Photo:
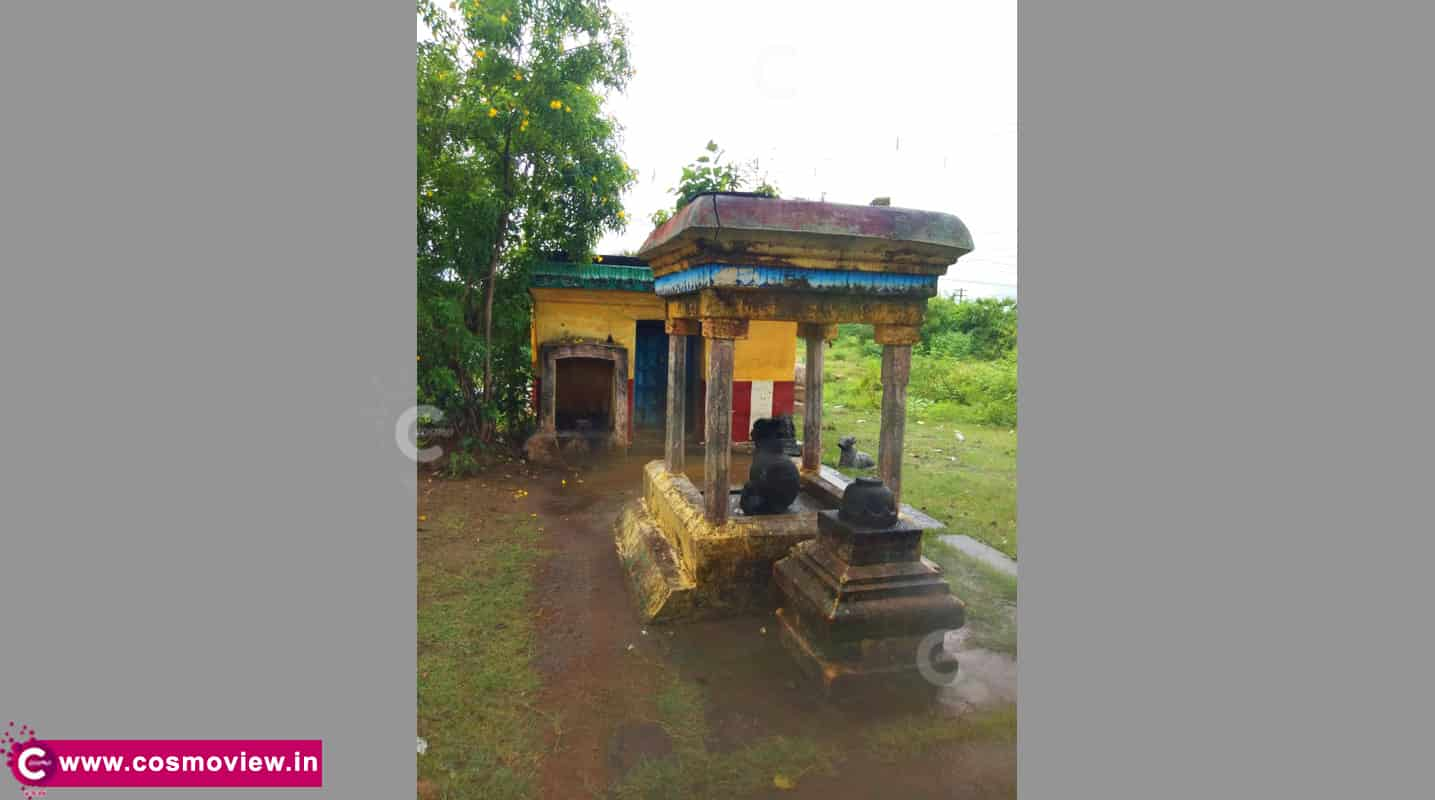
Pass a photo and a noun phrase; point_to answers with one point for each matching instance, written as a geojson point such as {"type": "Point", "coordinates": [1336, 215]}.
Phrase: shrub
{"type": "Point", "coordinates": [985, 390]}
{"type": "Point", "coordinates": [461, 464]}
{"type": "Point", "coordinates": [987, 326]}
{"type": "Point", "coordinates": [963, 370]}
{"type": "Point", "coordinates": [950, 344]}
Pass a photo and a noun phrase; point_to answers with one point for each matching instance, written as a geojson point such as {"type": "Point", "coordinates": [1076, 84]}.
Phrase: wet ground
{"type": "Point", "coordinates": [605, 676]}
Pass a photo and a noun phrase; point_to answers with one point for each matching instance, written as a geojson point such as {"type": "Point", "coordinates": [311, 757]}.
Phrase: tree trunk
{"type": "Point", "coordinates": [486, 429]}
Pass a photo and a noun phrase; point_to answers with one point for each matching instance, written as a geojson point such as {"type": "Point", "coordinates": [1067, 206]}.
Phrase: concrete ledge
{"type": "Point", "coordinates": [829, 484]}
{"type": "Point", "coordinates": [981, 551]}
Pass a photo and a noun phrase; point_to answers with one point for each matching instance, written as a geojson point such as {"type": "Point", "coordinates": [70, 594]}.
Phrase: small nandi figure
{"type": "Point", "coordinates": [772, 481]}
{"type": "Point", "coordinates": [851, 456]}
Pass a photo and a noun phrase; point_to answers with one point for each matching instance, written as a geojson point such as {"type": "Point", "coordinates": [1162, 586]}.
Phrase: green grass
{"type": "Point", "coordinates": [990, 596]}
{"type": "Point", "coordinates": [691, 771]}
{"type": "Point", "coordinates": [970, 485]}
{"type": "Point", "coordinates": [918, 734]}
{"type": "Point", "coordinates": [476, 641]}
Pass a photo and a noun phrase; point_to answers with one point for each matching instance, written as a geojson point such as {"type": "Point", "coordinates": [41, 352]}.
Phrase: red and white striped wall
{"type": "Point", "coordinates": [753, 400]}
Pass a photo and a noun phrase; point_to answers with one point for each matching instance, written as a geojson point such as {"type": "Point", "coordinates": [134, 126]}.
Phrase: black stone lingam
{"type": "Point", "coordinates": [857, 601]}
{"type": "Point", "coordinates": [772, 481]}
{"type": "Point", "coordinates": [868, 502]}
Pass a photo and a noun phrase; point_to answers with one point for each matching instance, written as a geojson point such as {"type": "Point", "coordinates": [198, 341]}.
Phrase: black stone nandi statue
{"type": "Point", "coordinates": [851, 456]}
{"type": "Point", "coordinates": [772, 482]}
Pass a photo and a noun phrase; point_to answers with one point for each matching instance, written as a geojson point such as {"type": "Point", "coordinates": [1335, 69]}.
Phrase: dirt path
{"type": "Point", "coordinates": [601, 670]}
{"type": "Point", "coordinates": [591, 682]}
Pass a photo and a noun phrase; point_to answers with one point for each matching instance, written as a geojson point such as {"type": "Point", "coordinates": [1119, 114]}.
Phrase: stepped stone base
{"type": "Point", "coordinates": [858, 603]}
{"type": "Point", "coordinates": [681, 567]}
{"type": "Point", "coordinates": [661, 587]}
{"type": "Point", "coordinates": [716, 570]}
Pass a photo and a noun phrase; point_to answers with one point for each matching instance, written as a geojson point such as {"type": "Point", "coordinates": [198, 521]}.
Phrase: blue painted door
{"type": "Point", "coordinates": [650, 375]}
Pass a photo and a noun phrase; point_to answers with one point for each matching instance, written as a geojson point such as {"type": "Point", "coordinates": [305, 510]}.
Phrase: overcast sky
{"type": "Point", "coordinates": [838, 101]}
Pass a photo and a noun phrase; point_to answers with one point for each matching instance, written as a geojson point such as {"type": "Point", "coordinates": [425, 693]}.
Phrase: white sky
{"type": "Point", "coordinates": [838, 100]}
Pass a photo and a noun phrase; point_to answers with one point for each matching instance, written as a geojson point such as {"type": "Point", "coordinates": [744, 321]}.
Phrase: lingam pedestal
{"type": "Point", "coordinates": [857, 602]}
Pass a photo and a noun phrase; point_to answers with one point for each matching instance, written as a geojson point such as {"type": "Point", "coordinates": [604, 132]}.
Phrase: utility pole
{"type": "Point", "coordinates": [961, 294]}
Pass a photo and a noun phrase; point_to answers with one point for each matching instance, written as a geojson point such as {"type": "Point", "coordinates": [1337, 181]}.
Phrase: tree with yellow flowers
{"type": "Point", "coordinates": [516, 158]}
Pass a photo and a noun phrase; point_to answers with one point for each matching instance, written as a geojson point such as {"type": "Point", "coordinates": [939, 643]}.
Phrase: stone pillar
{"type": "Point", "coordinates": [816, 336]}
{"type": "Point", "coordinates": [719, 334]}
{"type": "Point", "coordinates": [548, 391]}
{"type": "Point", "coordinates": [896, 341]}
{"type": "Point", "coordinates": [674, 451]}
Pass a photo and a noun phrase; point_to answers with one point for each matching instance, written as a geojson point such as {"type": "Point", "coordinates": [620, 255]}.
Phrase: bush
{"type": "Point", "coordinates": [950, 344]}
{"type": "Point", "coordinates": [984, 328]}
{"type": "Point", "coordinates": [461, 464]}
{"type": "Point", "coordinates": [986, 388]}
{"type": "Point", "coordinates": [963, 370]}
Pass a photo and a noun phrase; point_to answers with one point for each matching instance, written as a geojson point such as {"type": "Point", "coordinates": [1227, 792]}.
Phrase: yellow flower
{"type": "Point", "coordinates": [622, 215]}
{"type": "Point", "coordinates": [595, 178]}
{"type": "Point", "coordinates": [479, 53]}
{"type": "Point", "coordinates": [503, 18]}
{"type": "Point", "coordinates": [492, 112]}
{"type": "Point", "coordinates": [518, 76]}
{"type": "Point", "coordinates": [566, 108]}
{"type": "Point", "coordinates": [555, 104]}
{"type": "Point", "coordinates": [523, 126]}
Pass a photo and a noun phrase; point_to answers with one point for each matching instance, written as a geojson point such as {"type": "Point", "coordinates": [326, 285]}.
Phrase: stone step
{"type": "Point", "coordinates": [662, 585]}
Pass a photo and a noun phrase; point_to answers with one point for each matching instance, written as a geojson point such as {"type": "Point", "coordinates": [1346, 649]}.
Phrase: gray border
{"type": "Point", "coordinates": [1224, 400]}
{"type": "Point", "coordinates": [207, 319]}
{"type": "Point", "coordinates": [206, 245]}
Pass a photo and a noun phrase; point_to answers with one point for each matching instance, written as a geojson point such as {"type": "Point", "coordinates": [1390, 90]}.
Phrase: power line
{"type": "Point", "coordinates": [982, 283]}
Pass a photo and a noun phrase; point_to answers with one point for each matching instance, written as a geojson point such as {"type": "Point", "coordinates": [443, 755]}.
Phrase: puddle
{"type": "Point", "coordinates": [601, 673]}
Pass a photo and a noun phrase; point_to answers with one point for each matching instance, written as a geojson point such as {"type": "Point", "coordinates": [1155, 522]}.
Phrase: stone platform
{"type": "Point", "coordinates": [860, 599]}
{"type": "Point", "coordinates": [680, 566]}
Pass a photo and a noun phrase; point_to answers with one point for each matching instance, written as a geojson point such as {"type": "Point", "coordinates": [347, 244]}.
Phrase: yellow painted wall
{"type": "Point", "coordinates": [769, 352]}
{"type": "Point", "coordinates": [591, 314]}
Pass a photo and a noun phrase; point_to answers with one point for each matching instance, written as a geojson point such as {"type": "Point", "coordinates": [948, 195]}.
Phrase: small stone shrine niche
{"type": "Point", "coordinates": [858, 601]}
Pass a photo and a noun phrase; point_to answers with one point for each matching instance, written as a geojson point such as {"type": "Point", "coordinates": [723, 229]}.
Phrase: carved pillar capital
{"type": "Point", "coordinates": [897, 334]}
{"type": "Point", "coordinates": [720, 328]}
{"type": "Point", "coordinates": [813, 330]}
{"type": "Point", "coordinates": [679, 326]}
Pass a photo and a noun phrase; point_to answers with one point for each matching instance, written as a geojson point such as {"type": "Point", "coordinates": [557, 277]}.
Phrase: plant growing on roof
{"type": "Point", "coordinates": [708, 173]}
